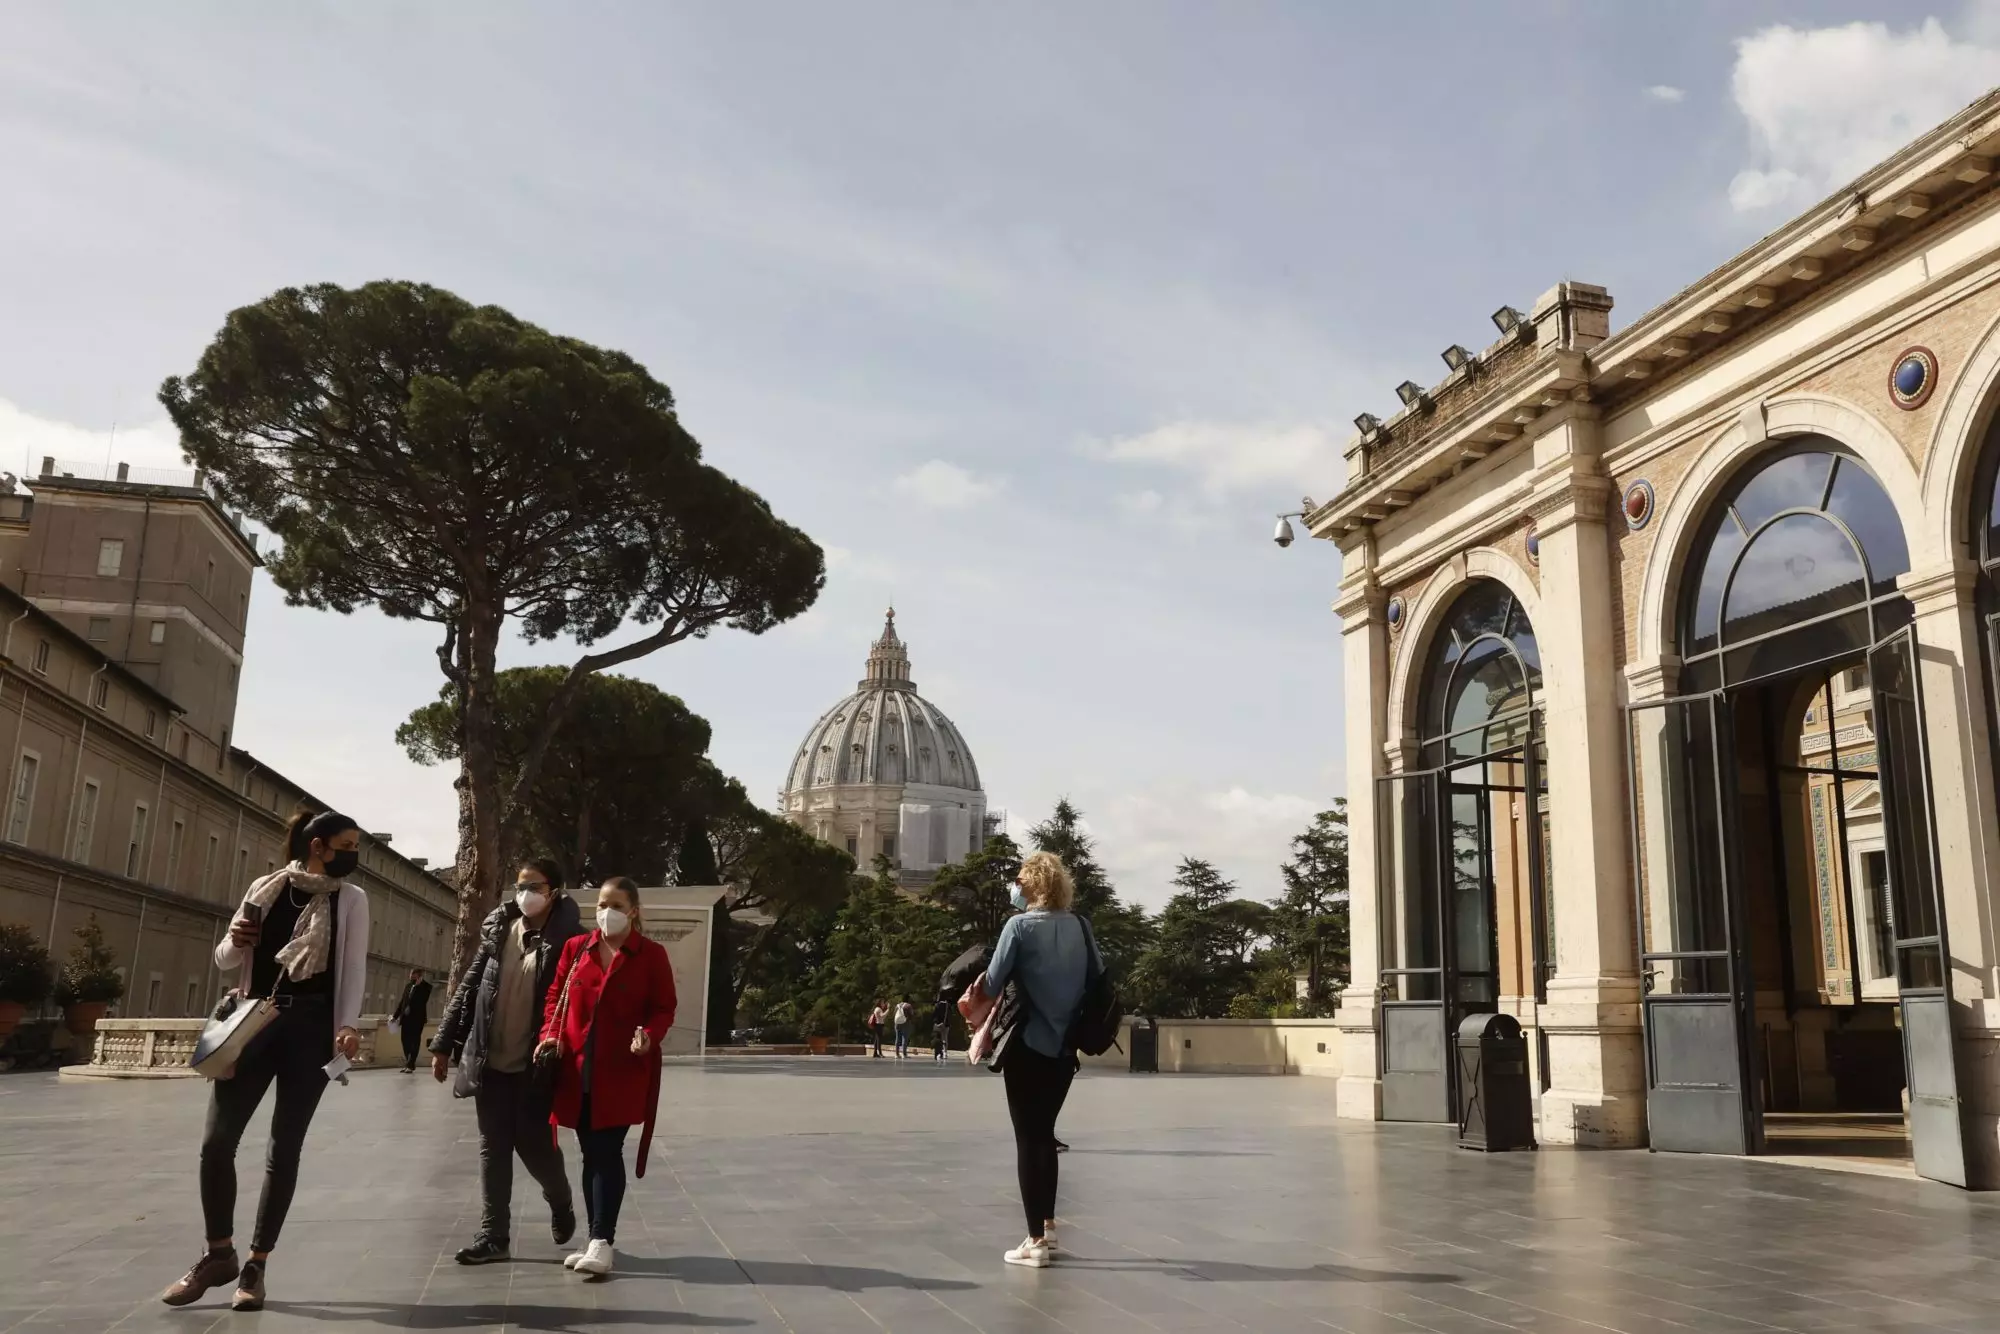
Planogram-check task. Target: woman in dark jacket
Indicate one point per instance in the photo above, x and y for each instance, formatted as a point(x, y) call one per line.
point(490, 1029)
point(609, 1011)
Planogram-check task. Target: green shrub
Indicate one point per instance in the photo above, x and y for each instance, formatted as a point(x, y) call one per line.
point(89, 973)
point(26, 972)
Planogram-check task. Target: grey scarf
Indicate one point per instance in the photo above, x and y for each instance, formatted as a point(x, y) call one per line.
point(305, 954)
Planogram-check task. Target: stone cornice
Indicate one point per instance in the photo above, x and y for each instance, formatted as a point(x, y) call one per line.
point(1360, 604)
point(1942, 588)
point(1570, 498)
point(1651, 680)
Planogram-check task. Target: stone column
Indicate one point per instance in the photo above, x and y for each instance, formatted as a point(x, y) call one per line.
point(1963, 801)
point(1596, 1097)
point(1365, 659)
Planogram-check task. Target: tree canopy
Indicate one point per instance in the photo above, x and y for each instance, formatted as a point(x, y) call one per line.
point(619, 788)
point(1310, 921)
point(1122, 929)
point(451, 463)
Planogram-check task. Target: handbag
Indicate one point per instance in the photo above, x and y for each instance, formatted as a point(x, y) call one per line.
point(547, 1063)
point(229, 1031)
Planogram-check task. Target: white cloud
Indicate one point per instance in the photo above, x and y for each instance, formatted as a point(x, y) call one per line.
point(1825, 104)
point(1142, 837)
point(1666, 92)
point(25, 440)
point(1228, 458)
point(946, 486)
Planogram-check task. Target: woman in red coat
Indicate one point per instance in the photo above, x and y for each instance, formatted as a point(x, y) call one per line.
point(607, 1020)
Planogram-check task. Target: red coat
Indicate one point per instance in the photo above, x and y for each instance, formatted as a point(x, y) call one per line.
point(603, 1011)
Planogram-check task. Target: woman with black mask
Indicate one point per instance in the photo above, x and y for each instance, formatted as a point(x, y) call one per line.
point(306, 946)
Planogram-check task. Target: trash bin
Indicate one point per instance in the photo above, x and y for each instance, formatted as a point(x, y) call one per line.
point(1495, 1107)
point(1145, 1036)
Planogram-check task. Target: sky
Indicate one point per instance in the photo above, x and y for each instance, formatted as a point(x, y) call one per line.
point(1033, 316)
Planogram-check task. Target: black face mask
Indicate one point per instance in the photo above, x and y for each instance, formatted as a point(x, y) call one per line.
point(342, 863)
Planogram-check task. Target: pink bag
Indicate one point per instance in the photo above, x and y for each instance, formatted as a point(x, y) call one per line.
point(978, 1009)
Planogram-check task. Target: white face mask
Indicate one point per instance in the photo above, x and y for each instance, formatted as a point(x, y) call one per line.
point(612, 922)
point(531, 902)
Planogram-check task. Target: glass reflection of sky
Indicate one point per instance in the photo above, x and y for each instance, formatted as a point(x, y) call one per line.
point(1485, 665)
point(1801, 558)
point(1797, 558)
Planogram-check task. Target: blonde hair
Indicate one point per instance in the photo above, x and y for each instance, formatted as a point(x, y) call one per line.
point(1045, 882)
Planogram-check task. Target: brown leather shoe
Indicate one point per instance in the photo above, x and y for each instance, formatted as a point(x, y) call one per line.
point(214, 1269)
point(250, 1288)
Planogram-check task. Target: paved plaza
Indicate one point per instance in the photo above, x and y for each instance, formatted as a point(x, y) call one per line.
point(853, 1195)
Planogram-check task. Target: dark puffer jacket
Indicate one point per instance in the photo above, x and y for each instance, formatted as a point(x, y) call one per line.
point(462, 1033)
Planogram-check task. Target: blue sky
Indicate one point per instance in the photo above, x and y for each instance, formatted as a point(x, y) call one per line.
point(1032, 315)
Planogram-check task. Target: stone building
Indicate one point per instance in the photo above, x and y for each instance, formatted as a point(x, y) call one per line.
point(123, 603)
point(884, 772)
point(1670, 673)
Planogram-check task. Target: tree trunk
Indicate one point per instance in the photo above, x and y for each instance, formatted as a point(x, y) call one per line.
point(479, 770)
point(740, 974)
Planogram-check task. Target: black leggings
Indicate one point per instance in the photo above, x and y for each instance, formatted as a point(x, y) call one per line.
point(603, 1175)
point(1036, 1088)
point(289, 1053)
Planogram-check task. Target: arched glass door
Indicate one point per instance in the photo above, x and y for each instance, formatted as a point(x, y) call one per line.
point(1793, 578)
point(1462, 837)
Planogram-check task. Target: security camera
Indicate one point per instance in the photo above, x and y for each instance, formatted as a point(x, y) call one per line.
point(1283, 537)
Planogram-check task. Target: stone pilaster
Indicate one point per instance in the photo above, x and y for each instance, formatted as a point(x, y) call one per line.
point(1365, 659)
point(1596, 1096)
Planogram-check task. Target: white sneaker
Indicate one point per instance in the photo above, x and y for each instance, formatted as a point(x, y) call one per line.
point(1050, 1244)
point(1030, 1253)
point(571, 1261)
point(596, 1260)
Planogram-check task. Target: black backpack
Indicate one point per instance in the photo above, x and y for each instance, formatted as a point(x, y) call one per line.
point(1094, 1031)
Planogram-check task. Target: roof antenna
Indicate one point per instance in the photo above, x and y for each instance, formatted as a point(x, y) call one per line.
point(110, 445)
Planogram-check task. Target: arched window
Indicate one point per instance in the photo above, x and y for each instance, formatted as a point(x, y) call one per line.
point(1797, 565)
point(1482, 678)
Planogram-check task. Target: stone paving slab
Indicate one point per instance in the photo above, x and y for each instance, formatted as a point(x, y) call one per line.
point(843, 1194)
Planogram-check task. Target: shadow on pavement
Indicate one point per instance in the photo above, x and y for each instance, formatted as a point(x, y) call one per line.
point(1224, 1271)
point(1171, 1153)
point(490, 1315)
point(719, 1270)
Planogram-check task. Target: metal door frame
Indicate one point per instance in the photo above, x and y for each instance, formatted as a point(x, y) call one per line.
point(1731, 1131)
point(1415, 1091)
point(1930, 1060)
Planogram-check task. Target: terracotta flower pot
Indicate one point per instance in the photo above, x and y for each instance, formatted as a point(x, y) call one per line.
point(817, 1046)
point(80, 1017)
point(10, 1017)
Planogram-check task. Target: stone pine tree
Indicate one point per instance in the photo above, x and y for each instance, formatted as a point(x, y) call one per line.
point(620, 786)
point(1311, 915)
point(1197, 961)
point(450, 463)
point(977, 891)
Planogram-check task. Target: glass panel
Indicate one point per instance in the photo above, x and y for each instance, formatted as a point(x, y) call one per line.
point(1798, 568)
point(1836, 637)
point(1678, 854)
point(1874, 919)
point(1471, 847)
point(1488, 683)
point(1859, 501)
point(1993, 522)
point(1407, 881)
point(1722, 552)
point(1795, 482)
point(1899, 743)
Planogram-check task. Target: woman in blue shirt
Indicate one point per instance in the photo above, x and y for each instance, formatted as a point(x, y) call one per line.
point(1045, 950)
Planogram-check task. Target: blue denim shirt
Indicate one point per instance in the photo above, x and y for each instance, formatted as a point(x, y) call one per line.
point(1044, 952)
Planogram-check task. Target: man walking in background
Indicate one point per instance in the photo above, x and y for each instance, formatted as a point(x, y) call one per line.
point(903, 1017)
point(940, 1027)
point(412, 1013)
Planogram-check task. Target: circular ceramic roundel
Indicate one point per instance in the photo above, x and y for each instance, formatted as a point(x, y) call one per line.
point(1534, 544)
point(1912, 378)
point(1638, 504)
point(1394, 613)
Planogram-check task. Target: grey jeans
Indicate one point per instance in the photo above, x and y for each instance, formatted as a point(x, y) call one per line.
point(514, 1119)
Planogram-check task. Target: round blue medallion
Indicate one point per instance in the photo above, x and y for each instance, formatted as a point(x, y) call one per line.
point(1912, 377)
point(1534, 545)
point(1394, 613)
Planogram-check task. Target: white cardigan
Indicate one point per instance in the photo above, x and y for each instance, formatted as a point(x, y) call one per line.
point(350, 969)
